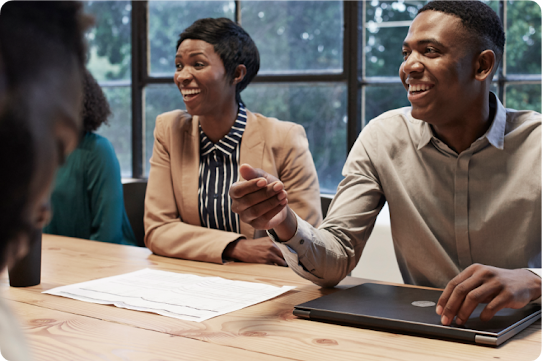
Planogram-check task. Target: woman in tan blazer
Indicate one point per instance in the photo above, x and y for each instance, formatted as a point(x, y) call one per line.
point(197, 153)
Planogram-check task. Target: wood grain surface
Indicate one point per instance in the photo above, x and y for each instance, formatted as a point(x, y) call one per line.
point(64, 329)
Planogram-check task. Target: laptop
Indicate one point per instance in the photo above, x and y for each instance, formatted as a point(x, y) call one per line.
point(412, 310)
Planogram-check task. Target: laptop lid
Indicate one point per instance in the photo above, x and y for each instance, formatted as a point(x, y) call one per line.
point(412, 310)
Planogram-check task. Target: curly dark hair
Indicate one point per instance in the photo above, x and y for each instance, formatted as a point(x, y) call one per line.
point(95, 109)
point(231, 43)
point(483, 24)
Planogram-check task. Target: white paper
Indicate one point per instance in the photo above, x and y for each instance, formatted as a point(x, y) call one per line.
point(179, 295)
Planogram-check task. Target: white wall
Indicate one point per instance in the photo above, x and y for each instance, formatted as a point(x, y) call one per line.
point(378, 261)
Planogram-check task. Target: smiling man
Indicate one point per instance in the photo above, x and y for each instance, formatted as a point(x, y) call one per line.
point(461, 174)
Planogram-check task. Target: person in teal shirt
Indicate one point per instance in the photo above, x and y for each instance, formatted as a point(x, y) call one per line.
point(87, 199)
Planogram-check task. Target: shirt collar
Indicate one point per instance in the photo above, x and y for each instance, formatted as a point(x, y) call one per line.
point(229, 143)
point(495, 134)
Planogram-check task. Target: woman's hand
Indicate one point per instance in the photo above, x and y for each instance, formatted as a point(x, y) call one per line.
point(259, 250)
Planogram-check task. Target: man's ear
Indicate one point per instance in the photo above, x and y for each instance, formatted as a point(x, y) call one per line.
point(239, 74)
point(484, 65)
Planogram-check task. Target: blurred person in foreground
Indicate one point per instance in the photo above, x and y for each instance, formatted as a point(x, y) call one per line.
point(87, 198)
point(41, 59)
point(461, 175)
point(197, 152)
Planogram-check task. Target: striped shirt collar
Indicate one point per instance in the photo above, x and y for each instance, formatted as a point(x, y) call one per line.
point(230, 141)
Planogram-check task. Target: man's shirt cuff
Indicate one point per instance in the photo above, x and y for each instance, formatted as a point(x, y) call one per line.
point(297, 246)
point(536, 271)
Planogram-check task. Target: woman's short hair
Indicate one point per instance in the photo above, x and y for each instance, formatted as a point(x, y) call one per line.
point(231, 43)
point(95, 110)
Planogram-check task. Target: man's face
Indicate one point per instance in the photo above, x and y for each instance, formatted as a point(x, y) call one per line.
point(438, 68)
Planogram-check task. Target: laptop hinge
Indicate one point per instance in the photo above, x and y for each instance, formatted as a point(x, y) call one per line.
point(486, 340)
point(301, 313)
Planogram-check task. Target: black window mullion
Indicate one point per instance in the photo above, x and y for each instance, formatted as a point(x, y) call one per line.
point(237, 15)
point(139, 72)
point(352, 58)
point(501, 73)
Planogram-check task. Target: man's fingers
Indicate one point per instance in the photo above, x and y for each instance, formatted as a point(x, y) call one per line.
point(447, 292)
point(254, 205)
point(242, 188)
point(274, 191)
point(247, 172)
point(499, 302)
point(457, 298)
point(478, 295)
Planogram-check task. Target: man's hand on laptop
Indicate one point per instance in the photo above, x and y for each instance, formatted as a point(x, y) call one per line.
point(261, 201)
point(498, 287)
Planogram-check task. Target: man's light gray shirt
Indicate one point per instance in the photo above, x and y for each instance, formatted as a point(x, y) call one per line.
point(447, 210)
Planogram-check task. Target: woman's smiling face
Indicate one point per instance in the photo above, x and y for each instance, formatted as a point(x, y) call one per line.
point(201, 78)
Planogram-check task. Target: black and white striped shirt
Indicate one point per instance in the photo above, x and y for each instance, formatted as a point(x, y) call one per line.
point(219, 168)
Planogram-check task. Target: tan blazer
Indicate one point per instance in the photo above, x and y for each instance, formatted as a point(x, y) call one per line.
point(172, 222)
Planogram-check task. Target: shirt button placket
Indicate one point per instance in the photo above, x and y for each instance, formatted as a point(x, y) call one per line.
point(461, 214)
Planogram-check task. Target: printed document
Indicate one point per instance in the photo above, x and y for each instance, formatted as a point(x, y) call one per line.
point(183, 296)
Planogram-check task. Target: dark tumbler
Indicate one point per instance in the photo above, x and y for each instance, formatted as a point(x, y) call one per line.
point(26, 272)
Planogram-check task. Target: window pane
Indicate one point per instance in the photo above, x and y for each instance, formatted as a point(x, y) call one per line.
point(523, 97)
point(119, 129)
point(321, 109)
point(380, 99)
point(109, 39)
point(523, 37)
point(494, 88)
point(168, 19)
point(158, 99)
point(387, 23)
point(296, 36)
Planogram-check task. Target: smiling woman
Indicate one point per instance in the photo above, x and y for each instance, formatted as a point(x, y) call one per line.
point(197, 154)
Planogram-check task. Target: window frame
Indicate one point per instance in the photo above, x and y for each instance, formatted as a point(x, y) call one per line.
point(353, 73)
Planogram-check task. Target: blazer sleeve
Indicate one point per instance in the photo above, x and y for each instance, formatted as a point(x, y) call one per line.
point(166, 234)
point(299, 176)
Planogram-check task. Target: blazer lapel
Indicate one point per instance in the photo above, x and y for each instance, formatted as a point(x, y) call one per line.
point(251, 152)
point(190, 164)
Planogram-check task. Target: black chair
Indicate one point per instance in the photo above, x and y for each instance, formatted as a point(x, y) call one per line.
point(326, 199)
point(134, 200)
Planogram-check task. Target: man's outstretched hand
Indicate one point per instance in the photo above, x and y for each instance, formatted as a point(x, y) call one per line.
point(261, 201)
point(499, 288)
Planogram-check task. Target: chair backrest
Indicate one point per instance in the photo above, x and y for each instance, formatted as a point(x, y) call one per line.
point(134, 203)
point(326, 199)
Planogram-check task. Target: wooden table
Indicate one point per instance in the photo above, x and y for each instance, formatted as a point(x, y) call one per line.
point(64, 329)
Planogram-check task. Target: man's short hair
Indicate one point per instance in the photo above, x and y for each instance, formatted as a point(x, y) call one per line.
point(233, 45)
point(479, 19)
